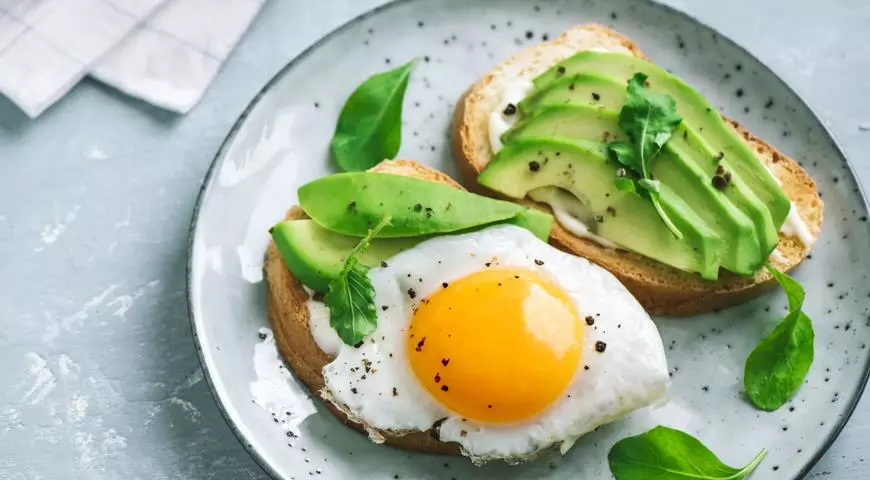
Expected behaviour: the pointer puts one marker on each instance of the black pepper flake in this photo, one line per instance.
(539, 262)
(534, 166)
(420, 344)
(352, 206)
(571, 87)
(739, 92)
(510, 109)
(529, 34)
(395, 392)
(444, 388)
(769, 103)
(720, 155)
(719, 182)
(590, 320)
(489, 406)
(705, 388)
(727, 177)
(437, 378)
(488, 264)
(384, 265)
(358, 344)
(561, 70)
(418, 207)
(611, 211)
(600, 346)
(412, 293)
(599, 218)
(585, 367)
(445, 361)
(384, 307)
(596, 96)
(353, 390)
(720, 170)
(262, 335)
(444, 285)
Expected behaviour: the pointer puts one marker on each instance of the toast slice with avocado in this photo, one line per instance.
(549, 117)
(289, 318)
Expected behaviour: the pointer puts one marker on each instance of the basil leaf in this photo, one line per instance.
(649, 120)
(351, 296)
(369, 128)
(777, 366)
(667, 454)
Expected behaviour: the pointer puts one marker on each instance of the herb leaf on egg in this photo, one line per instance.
(668, 454)
(777, 366)
(369, 127)
(351, 296)
(649, 120)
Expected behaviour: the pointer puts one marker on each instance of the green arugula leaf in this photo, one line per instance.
(649, 120)
(777, 366)
(626, 185)
(667, 454)
(351, 296)
(369, 128)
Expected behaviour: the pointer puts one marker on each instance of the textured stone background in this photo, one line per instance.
(99, 376)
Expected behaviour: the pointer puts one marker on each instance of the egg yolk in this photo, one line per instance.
(497, 346)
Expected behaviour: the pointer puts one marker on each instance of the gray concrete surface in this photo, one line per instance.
(99, 376)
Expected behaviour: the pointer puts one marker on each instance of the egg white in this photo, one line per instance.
(631, 373)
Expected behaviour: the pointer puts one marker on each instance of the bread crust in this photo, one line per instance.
(288, 316)
(661, 289)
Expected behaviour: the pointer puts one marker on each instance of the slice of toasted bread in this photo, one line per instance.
(288, 316)
(661, 289)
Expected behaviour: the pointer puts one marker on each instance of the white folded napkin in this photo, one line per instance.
(165, 52)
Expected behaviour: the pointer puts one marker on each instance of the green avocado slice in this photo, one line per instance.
(697, 114)
(741, 250)
(351, 203)
(625, 218)
(315, 255)
(686, 142)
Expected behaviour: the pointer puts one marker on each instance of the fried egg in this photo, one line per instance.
(508, 345)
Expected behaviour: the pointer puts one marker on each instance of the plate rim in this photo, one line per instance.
(208, 180)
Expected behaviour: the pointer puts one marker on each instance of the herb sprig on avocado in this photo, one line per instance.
(351, 296)
(369, 128)
(777, 366)
(667, 453)
(649, 120)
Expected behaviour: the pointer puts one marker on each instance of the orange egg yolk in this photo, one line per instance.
(497, 346)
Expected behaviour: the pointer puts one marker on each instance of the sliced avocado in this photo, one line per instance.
(686, 142)
(351, 203)
(697, 114)
(535, 221)
(625, 218)
(315, 255)
(741, 251)
(583, 88)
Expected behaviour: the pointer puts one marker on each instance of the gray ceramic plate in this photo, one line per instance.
(281, 142)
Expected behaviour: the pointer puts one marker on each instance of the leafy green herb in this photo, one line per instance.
(369, 128)
(351, 296)
(667, 454)
(649, 120)
(777, 366)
